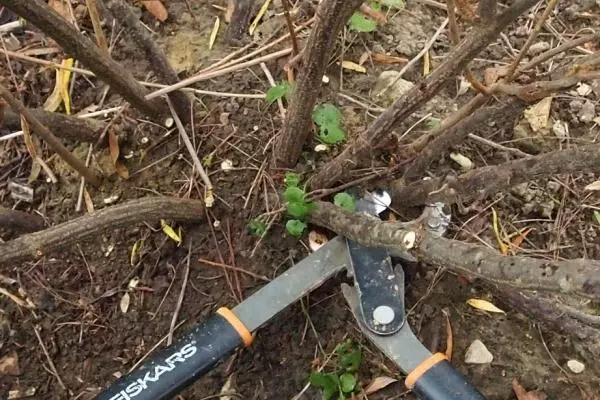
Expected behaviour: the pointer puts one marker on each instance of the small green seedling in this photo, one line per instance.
(343, 381)
(361, 23)
(345, 201)
(281, 91)
(597, 216)
(329, 118)
(296, 204)
(258, 227)
(433, 123)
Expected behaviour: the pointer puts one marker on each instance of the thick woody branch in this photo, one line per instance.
(417, 96)
(487, 181)
(581, 277)
(156, 57)
(83, 49)
(149, 209)
(331, 15)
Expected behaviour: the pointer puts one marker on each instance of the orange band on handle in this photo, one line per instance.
(238, 325)
(425, 366)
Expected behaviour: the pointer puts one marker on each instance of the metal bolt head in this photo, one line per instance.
(383, 315)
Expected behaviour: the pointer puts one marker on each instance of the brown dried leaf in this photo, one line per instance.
(375, 15)
(449, 336)
(466, 9)
(229, 11)
(156, 8)
(89, 204)
(31, 148)
(491, 75)
(62, 8)
(379, 383)
(9, 364)
(113, 146)
(122, 170)
(385, 59)
(523, 394)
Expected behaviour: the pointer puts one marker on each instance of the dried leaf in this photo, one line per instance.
(523, 394)
(156, 8)
(491, 75)
(316, 240)
(122, 170)
(89, 204)
(261, 12)
(519, 238)
(113, 146)
(9, 364)
(31, 148)
(229, 10)
(62, 8)
(124, 303)
(379, 383)
(484, 305)
(352, 66)
(449, 336)
(135, 249)
(495, 226)
(213, 34)
(374, 14)
(538, 115)
(426, 64)
(593, 186)
(64, 84)
(55, 99)
(464, 161)
(364, 57)
(385, 59)
(597, 216)
(170, 232)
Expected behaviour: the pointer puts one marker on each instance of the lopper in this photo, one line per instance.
(376, 299)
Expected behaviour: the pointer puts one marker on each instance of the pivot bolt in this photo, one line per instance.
(383, 315)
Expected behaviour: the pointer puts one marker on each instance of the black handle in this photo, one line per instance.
(441, 381)
(182, 363)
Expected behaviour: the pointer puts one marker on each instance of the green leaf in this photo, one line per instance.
(327, 382)
(351, 361)
(347, 382)
(295, 227)
(326, 114)
(345, 201)
(294, 194)
(297, 210)
(361, 23)
(258, 228)
(597, 216)
(332, 134)
(393, 3)
(292, 179)
(375, 5)
(281, 90)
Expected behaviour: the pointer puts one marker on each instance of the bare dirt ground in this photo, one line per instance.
(77, 292)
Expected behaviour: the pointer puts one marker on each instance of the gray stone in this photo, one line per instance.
(389, 87)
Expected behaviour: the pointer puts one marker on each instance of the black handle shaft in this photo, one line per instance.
(444, 382)
(179, 365)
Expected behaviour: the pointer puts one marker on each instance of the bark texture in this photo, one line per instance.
(331, 16)
(149, 209)
(424, 90)
(240, 20)
(73, 42)
(487, 181)
(19, 222)
(156, 57)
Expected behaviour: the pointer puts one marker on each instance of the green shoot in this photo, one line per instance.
(281, 91)
(292, 179)
(328, 118)
(345, 201)
(258, 227)
(361, 23)
(295, 227)
(343, 381)
(296, 204)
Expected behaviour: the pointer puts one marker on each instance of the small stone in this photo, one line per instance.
(575, 366)
(390, 86)
(587, 112)
(325, 79)
(169, 122)
(9, 365)
(561, 129)
(538, 48)
(226, 165)
(584, 89)
(553, 186)
(321, 148)
(477, 353)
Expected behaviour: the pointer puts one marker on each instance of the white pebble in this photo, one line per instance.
(575, 366)
(477, 353)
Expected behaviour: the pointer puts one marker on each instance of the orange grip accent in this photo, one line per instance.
(425, 366)
(238, 325)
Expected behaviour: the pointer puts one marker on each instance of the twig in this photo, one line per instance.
(18, 301)
(49, 359)
(290, 24)
(510, 74)
(194, 155)
(243, 271)
(273, 84)
(495, 145)
(98, 32)
(149, 209)
(559, 49)
(141, 360)
(186, 275)
(53, 142)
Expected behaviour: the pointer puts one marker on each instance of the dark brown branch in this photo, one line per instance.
(487, 181)
(64, 126)
(331, 16)
(156, 57)
(43, 132)
(581, 277)
(353, 155)
(19, 221)
(149, 209)
(83, 49)
(559, 49)
(290, 24)
(242, 12)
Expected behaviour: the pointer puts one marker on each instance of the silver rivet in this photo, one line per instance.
(383, 315)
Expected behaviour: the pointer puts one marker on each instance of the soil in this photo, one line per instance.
(78, 292)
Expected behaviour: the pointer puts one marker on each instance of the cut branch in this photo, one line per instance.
(64, 126)
(331, 16)
(84, 50)
(43, 132)
(352, 156)
(486, 181)
(149, 209)
(581, 277)
(156, 57)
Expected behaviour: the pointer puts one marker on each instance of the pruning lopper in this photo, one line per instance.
(376, 300)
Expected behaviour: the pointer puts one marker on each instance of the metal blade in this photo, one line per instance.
(403, 347)
(294, 283)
